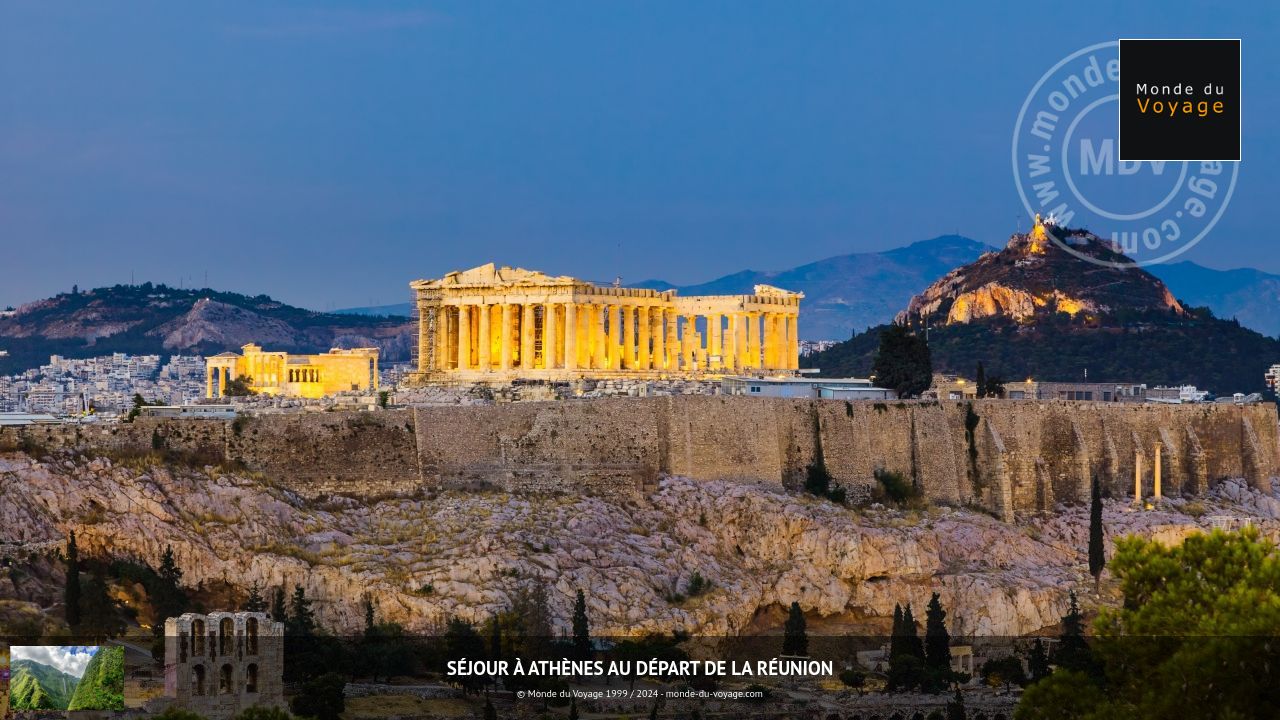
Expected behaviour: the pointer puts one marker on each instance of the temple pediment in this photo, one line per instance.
(490, 275)
(771, 291)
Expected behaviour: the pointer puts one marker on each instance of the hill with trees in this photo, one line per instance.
(36, 686)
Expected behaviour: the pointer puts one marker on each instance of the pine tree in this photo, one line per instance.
(71, 596)
(980, 382)
(495, 638)
(795, 641)
(937, 645)
(98, 611)
(302, 621)
(255, 602)
(581, 628)
(1038, 662)
(278, 612)
(1073, 652)
(1097, 554)
(903, 362)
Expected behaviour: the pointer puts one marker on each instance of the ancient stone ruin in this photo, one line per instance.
(219, 664)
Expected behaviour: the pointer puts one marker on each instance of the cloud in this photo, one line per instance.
(320, 22)
(70, 659)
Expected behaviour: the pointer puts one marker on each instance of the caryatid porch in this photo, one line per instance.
(501, 324)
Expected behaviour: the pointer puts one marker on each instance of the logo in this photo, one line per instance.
(1067, 167)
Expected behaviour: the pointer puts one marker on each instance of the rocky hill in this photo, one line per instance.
(155, 319)
(1033, 309)
(459, 553)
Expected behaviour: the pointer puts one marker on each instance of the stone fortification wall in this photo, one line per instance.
(1008, 456)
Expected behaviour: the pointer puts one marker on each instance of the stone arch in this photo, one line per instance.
(226, 633)
(251, 636)
(197, 637)
(251, 678)
(226, 680)
(197, 680)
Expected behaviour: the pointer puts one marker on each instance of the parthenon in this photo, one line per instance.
(497, 324)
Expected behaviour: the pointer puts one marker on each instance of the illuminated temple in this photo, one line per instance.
(280, 373)
(501, 324)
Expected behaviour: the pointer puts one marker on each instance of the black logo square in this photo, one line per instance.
(1179, 99)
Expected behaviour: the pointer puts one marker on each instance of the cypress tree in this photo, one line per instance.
(1038, 662)
(71, 596)
(302, 621)
(911, 634)
(795, 641)
(368, 615)
(581, 628)
(278, 612)
(895, 639)
(981, 381)
(1097, 554)
(937, 645)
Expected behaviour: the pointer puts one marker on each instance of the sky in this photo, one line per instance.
(70, 659)
(329, 153)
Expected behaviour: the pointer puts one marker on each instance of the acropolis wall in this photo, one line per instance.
(1012, 457)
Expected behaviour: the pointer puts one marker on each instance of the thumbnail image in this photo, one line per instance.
(73, 677)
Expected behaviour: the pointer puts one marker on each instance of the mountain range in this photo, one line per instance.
(847, 293)
(36, 686)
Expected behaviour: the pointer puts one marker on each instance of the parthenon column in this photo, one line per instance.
(464, 337)
(504, 336)
(443, 338)
(769, 339)
(753, 340)
(715, 346)
(485, 343)
(793, 341)
(527, 323)
(614, 360)
(730, 345)
(658, 331)
(424, 362)
(570, 336)
(599, 349)
(642, 344)
(550, 341)
(628, 337)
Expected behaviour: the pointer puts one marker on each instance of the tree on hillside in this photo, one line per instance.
(255, 602)
(1038, 662)
(1194, 637)
(581, 629)
(239, 386)
(937, 647)
(99, 618)
(795, 638)
(463, 642)
(955, 708)
(903, 362)
(278, 609)
(980, 381)
(71, 594)
(301, 620)
(906, 654)
(1097, 551)
(322, 698)
(1073, 652)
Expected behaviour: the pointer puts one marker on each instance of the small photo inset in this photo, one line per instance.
(66, 677)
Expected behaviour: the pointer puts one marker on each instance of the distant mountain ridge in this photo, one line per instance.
(155, 319)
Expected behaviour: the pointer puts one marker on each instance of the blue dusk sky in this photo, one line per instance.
(328, 153)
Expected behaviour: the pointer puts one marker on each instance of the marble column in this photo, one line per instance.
(792, 341)
(658, 329)
(505, 339)
(599, 341)
(642, 343)
(208, 381)
(444, 338)
(769, 340)
(424, 320)
(570, 336)
(550, 326)
(485, 344)
(753, 340)
(614, 360)
(628, 337)
(730, 344)
(527, 341)
(715, 343)
(673, 340)
(464, 337)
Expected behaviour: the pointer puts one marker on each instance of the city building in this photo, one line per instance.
(223, 663)
(1177, 395)
(801, 387)
(1273, 378)
(282, 373)
(492, 324)
(952, 387)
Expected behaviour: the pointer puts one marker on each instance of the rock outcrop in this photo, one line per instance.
(432, 556)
